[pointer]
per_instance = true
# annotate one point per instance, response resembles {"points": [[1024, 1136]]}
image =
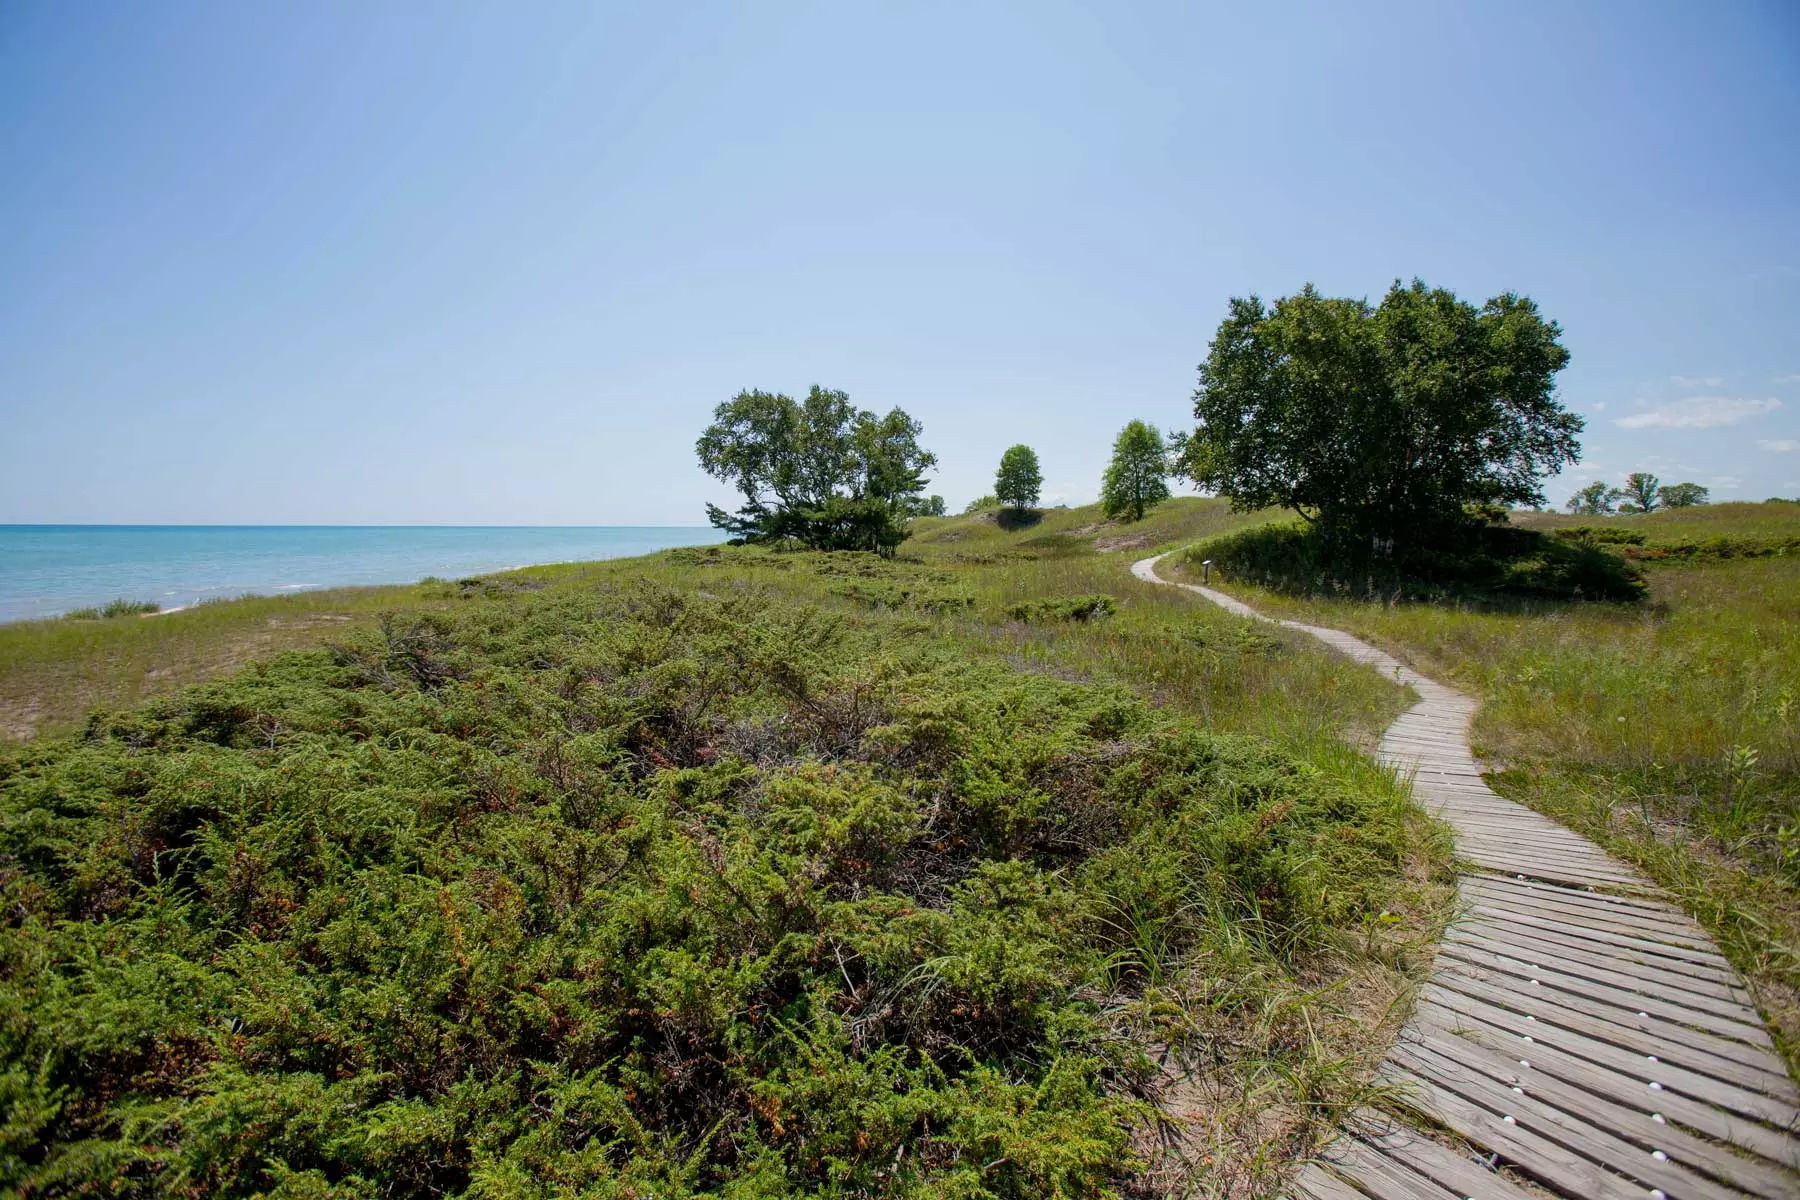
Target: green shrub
{"points": [[1600, 534], [113, 608], [1064, 608], [1717, 549], [1490, 562], [129, 608], [629, 890]]}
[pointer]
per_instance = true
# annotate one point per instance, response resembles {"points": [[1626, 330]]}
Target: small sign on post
{"points": [[1206, 570]]}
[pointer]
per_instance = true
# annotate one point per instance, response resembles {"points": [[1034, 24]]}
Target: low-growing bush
{"points": [[1716, 549], [626, 890], [1489, 562], [1064, 608], [113, 608], [1600, 534]]}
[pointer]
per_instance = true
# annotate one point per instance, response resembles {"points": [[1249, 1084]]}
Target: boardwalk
{"points": [[1576, 1027]]}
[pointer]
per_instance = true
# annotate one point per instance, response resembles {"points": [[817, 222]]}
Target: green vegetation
{"points": [[1091, 607], [1642, 493], [1667, 731], [1640, 490], [1018, 483], [820, 473], [1136, 479], [723, 872], [1387, 421], [114, 608], [1681, 495], [1484, 564]]}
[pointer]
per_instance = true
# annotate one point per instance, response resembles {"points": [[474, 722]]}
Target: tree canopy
{"points": [[1597, 499], [1682, 495], [1382, 420], [1137, 477], [1642, 493], [820, 471], [1018, 483]]}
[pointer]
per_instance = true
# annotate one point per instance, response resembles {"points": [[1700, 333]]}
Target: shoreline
{"points": [[226, 563]]}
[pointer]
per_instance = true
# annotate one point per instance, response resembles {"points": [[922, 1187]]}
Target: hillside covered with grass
{"points": [[724, 872]]}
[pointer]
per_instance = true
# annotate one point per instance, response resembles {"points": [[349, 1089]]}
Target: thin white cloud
{"points": [[1689, 381], [1780, 445], [1599, 406], [1699, 412], [1729, 483], [1795, 378]]}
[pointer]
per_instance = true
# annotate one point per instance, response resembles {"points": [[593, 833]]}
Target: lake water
{"points": [[49, 569]]}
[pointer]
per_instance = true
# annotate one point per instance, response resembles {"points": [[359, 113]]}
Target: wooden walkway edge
{"points": [[1576, 1028]]}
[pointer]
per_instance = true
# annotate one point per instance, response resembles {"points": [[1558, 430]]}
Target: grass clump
{"points": [[715, 882], [1489, 563], [1092, 607], [113, 608]]}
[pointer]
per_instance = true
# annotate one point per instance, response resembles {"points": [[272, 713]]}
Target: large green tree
{"points": [[1642, 493], [1018, 483], [1597, 499], [1387, 420], [819, 471], [1682, 495], [1137, 476]]}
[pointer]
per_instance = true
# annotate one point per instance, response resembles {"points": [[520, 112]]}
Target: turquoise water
{"points": [[49, 569]]}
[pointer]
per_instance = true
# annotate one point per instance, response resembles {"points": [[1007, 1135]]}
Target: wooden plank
{"points": [[1605, 937], [1575, 1134], [1462, 1175], [1381, 1176], [1751, 1057], [1597, 912], [1667, 1075], [1759, 1177], [1646, 956], [1651, 1049], [1602, 1000], [1582, 959], [1653, 903], [1584, 918], [1315, 1181], [1532, 1154], [1647, 908], [1684, 994], [1603, 1081]]}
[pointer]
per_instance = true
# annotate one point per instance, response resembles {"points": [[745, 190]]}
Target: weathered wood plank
{"points": [[1627, 1090], [1759, 1178]]}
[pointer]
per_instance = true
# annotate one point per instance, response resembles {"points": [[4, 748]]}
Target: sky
{"points": [[378, 262]]}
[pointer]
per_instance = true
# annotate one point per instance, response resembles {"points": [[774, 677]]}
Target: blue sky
{"points": [[353, 262]]}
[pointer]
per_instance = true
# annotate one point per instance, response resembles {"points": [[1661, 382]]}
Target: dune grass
{"points": [[1668, 731], [53, 672], [721, 868]]}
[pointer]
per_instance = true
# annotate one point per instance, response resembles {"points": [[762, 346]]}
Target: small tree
{"points": [[1381, 420], [1642, 493], [1595, 500], [981, 503], [1137, 477], [929, 506], [1018, 482], [820, 472], [1682, 495]]}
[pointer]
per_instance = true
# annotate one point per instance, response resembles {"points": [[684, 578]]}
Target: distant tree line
{"points": [[1414, 421], [1642, 493]]}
